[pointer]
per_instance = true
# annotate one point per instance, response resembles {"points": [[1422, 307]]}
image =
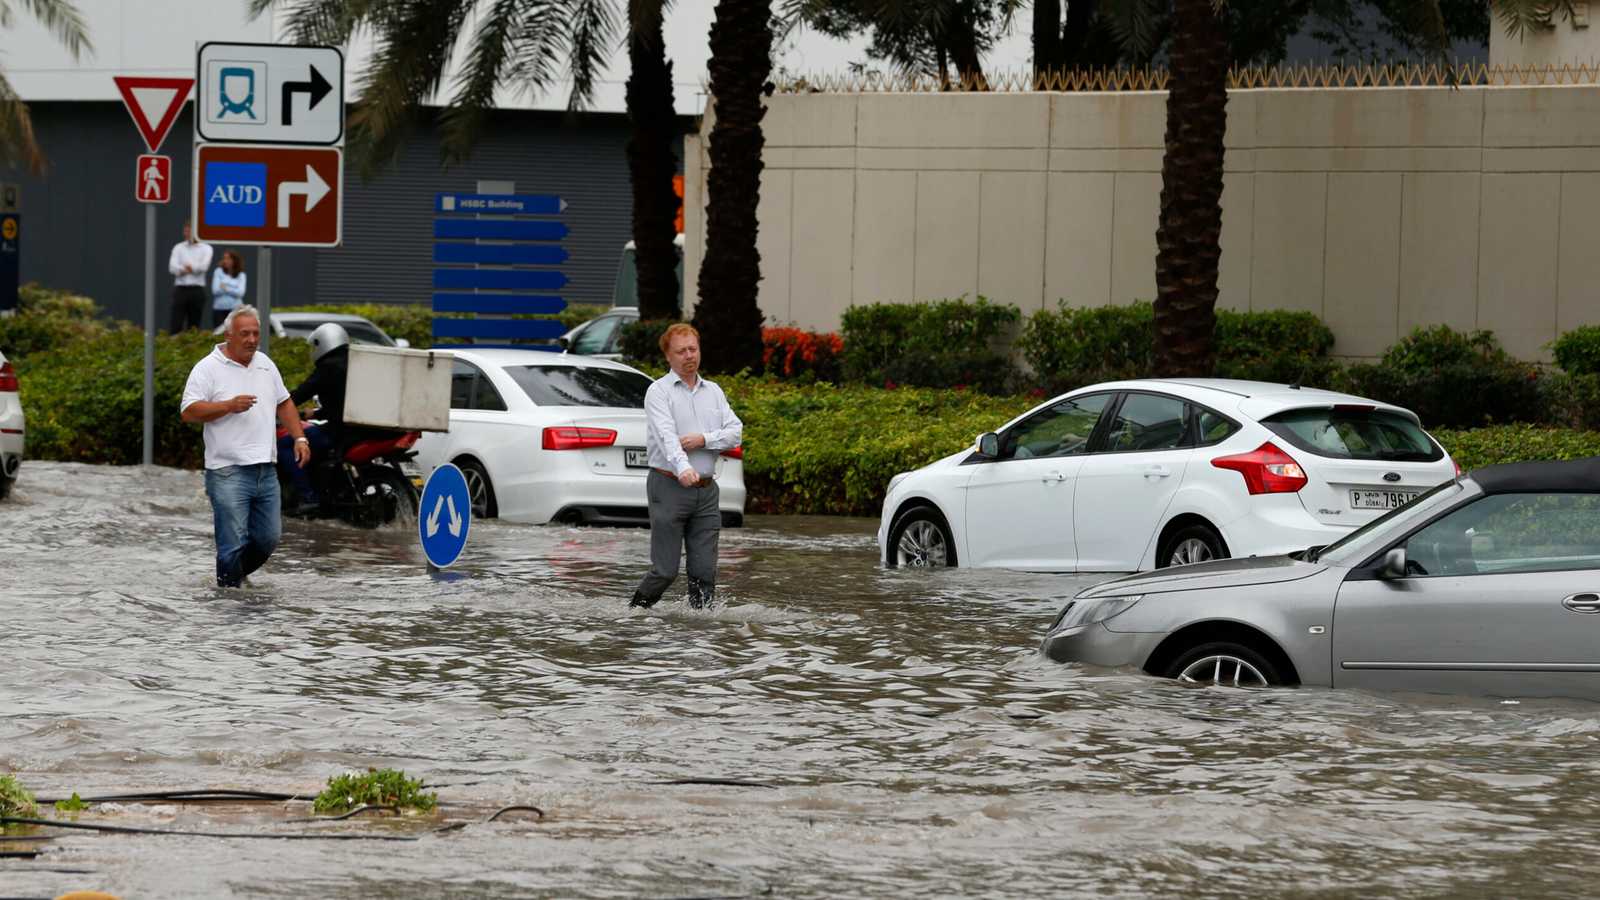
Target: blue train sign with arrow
{"points": [[269, 94]]}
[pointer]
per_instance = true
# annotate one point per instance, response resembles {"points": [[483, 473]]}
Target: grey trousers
{"points": [[681, 519]]}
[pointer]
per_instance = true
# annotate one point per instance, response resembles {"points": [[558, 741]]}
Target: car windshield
{"points": [[1355, 433], [1354, 546], [581, 386]]}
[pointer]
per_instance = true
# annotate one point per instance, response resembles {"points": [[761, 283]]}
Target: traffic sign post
{"points": [[444, 516], [269, 94], [153, 104], [152, 182], [269, 196]]}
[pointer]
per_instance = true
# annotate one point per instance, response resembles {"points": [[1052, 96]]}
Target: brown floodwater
{"points": [[891, 733]]}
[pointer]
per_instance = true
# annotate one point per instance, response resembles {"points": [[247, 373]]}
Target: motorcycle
{"points": [[363, 482]]}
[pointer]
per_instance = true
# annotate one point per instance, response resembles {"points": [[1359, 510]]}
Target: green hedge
{"points": [[46, 319], [946, 343], [1480, 447]]}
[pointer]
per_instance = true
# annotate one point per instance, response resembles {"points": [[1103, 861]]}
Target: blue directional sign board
{"points": [[444, 516], [497, 256]]}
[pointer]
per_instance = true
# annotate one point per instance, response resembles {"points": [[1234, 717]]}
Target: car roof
{"points": [[297, 317], [533, 356], [1577, 476], [1259, 399]]}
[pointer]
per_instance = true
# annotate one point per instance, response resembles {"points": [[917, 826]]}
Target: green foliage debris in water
{"points": [[15, 799], [375, 787], [71, 804]]}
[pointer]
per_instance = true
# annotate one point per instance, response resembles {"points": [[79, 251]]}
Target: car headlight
{"points": [[1089, 612]]}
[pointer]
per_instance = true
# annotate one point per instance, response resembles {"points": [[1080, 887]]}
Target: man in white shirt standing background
{"points": [[688, 422], [226, 391], [189, 262]]}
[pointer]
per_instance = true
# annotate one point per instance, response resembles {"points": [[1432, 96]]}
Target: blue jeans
{"points": [[300, 476], [244, 509]]}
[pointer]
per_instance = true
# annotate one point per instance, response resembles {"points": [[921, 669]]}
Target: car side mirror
{"points": [[1393, 565], [564, 342], [402, 343], [988, 445]]}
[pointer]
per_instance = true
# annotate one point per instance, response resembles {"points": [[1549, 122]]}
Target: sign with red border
{"points": [[269, 195], [154, 104], [152, 181]]}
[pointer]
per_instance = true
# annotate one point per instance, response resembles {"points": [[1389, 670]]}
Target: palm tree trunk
{"points": [[651, 165], [1187, 239], [728, 318], [1047, 50]]}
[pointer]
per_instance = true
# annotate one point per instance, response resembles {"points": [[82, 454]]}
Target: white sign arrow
{"points": [[314, 189], [433, 518], [455, 517]]}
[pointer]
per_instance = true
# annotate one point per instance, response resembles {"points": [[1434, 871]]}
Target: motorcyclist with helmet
{"points": [[330, 357]]}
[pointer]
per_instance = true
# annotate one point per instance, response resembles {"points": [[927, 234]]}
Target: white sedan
{"points": [[1144, 474], [10, 426], [543, 436]]}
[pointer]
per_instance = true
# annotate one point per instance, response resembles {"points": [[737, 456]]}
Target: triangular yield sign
{"points": [[144, 98]]}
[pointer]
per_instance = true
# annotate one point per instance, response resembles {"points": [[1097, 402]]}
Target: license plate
{"points": [[635, 458], [1381, 499]]}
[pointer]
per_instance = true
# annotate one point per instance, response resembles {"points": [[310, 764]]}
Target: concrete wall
{"points": [[1376, 209]]}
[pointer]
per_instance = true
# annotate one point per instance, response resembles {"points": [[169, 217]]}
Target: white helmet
{"points": [[328, 336]]}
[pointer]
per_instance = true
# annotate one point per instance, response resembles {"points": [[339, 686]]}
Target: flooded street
{"points": [[894, 733]]}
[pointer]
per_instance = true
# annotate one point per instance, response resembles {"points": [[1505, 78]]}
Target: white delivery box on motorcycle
{"points": [[407, 390]]}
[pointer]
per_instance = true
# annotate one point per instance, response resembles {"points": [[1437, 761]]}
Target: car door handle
{"points": [[1156, 471], [1583, 603], [1053, 476]]}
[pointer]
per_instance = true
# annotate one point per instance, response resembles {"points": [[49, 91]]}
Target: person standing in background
{"points": [[228, 283], [188, 264]]}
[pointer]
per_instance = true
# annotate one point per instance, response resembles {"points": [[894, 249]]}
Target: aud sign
{"points": [[269, 195]]}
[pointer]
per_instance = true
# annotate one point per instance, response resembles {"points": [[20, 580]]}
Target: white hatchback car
{"points": [[1144, 474], [11, 426], [543, 436]]}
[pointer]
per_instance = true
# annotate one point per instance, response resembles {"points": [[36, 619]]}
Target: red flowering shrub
{"points": [[791, 353]]}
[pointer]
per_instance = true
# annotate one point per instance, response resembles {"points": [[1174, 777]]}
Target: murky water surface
{"points": [[902, 734]]}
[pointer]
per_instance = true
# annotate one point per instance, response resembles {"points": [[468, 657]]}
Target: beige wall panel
{"points": [[1369, 159], [1439, 250], [1362, 278], [1578, 302], [1133, 230], [809, 157], [925, 159], [819, 275], [953, 120], [947, 235], [885, 237], [775, 236], [694, 218], [1542, 159], [1011, 239], [1542, 117], [1371, 117], [1108, 121], [1137, 160], [1243, 107], [1517, 252], [1238, 218], [1077, 249], [1287, 242], [810, 120]]}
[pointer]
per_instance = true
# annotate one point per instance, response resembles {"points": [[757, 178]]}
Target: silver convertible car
{"points": [[1487, 584]]}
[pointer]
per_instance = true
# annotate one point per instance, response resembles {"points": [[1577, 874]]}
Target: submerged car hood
{"points": [[1219, 573]]}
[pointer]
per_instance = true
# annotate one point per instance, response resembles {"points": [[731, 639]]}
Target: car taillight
{"points": [[8, 378], [1457, 465], [1266, 470], [735, 453], [567, 437]]}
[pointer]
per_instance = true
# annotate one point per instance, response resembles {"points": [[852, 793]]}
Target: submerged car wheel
{"points": [[921, 540], [1225, 663], [1191, 544], [479, 488]]}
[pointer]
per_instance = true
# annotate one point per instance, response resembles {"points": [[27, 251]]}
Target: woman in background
{"points": [[227, 286]]}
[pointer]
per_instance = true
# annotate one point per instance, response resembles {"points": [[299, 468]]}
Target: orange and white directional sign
{"points": [[152, 179], [269, 195]]}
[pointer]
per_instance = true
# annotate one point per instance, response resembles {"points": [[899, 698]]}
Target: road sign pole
{"points": [[264, 294], [149, 334]]}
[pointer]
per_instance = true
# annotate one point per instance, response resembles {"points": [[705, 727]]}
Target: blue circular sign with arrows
{"points": [[444, 515]]}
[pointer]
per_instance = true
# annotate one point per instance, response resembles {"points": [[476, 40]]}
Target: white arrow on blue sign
{"points": [[444, 515]]}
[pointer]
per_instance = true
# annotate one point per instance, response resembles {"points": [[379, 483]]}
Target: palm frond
{"points": [[1518, 17], [492, 48], [594, 32], [1136, 24], [17, 140], [319, 21], [414, 42], [62, 18]]}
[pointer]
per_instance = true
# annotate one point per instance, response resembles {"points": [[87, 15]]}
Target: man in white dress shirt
{"points": [[188, 264], [688, 422], [237, 393]]}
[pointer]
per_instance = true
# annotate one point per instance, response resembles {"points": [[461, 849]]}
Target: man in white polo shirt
{"points": [[225, 392], [188, 264]]}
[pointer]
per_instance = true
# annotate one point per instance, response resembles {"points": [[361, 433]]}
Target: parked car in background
{"points": [[11, 426], [1487, 584], [545, 437], [600, 337], [301, 324], [1150, 473]]}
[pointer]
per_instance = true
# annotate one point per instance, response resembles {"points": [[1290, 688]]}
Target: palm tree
{"points": [[17, 140], [1518, 17], [923, 37], [741, 59], [525, 44]]}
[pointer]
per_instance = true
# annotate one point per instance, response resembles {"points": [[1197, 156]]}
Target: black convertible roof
{"points": [[1571, 476]]}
